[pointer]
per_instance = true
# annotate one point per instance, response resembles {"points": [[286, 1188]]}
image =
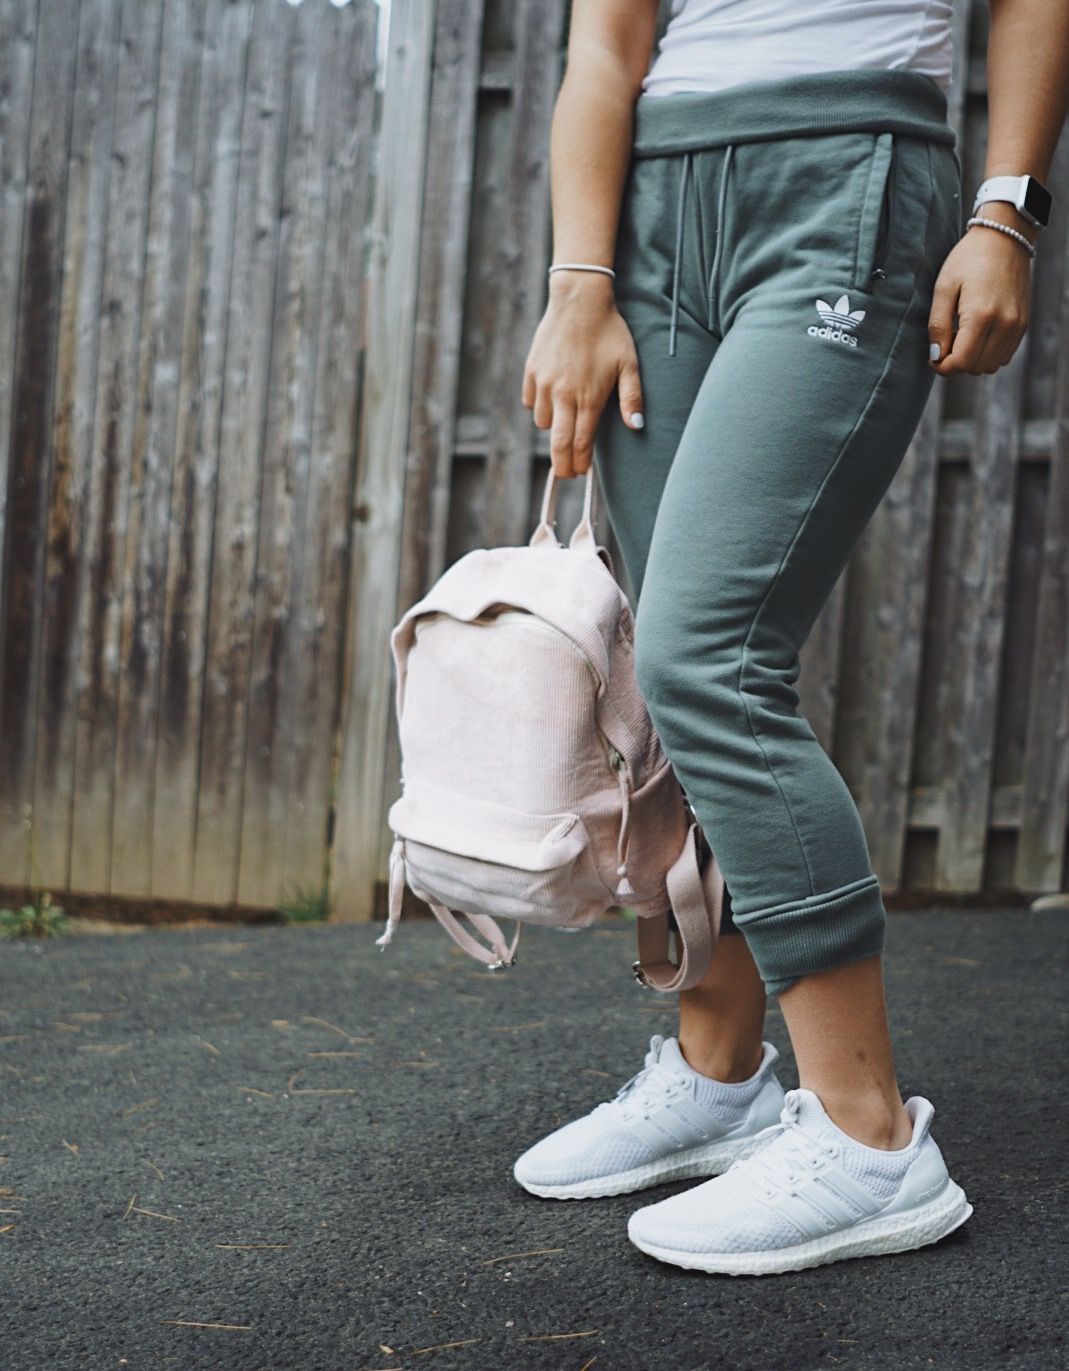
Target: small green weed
{"points": [[42, 919], [306, 906]]}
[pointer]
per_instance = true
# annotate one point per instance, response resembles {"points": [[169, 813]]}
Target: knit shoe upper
{"points": [[805, 1193], [668, 1121]]}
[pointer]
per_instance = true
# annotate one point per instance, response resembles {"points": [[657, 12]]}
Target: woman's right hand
{"points": [[581, 351]]}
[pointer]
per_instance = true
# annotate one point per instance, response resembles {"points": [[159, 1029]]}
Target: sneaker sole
{"points": [[870, 1238], [711, 1159]]}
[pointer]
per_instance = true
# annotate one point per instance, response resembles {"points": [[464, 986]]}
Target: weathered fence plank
{"points": [[517, 275], [1043, 849], [446, 212], [183, 628], [152, 447], [32, 381], [292, 712], [971, 685], [378, 506], [313, 695], [84, 252], [242, 428], [267, 810], [108, 494], [18, 20]]}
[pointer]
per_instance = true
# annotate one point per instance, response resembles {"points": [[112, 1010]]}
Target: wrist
{"points": [[580, 285], [1005, 213]]}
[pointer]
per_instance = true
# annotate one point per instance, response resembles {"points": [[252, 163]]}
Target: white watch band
{"points": [[1028, 196], [1009, 188]]}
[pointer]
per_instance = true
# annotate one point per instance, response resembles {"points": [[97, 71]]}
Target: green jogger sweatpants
{"points": [[777, 249]]}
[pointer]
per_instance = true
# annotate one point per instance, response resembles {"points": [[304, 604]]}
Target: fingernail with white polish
{"points": [[933, 352], [637, 421]]}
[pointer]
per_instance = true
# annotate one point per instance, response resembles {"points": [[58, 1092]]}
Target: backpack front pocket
{"points": [[476, 857]]}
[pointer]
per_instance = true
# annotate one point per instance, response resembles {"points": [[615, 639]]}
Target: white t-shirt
{"points": [[709, 44]]}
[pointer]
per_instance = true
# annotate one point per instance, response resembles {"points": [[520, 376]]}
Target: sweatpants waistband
{"points": [[878, 99]]}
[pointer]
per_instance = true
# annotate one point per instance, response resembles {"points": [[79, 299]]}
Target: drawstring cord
{"points": [[623, 885], [396, 892], [685, 173]]}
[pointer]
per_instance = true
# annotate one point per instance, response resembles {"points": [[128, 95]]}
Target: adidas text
{"points": [[835, 334]]}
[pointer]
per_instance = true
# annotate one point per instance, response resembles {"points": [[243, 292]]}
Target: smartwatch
{"points": [[1029, 196]]}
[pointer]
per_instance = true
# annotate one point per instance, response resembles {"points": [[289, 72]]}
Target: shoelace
{"points": [[647, 1087], [772, 1167]]}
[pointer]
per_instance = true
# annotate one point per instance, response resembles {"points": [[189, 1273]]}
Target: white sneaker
{"points": [[666, 1123], [806, 1193]]}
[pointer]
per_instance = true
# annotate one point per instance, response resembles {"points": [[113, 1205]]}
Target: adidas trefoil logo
{"points": [[839, 322]]}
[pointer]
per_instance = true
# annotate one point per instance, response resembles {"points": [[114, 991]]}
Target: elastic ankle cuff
{"points": [[793, 940]]}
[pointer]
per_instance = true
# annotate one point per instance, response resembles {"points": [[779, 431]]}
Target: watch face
{"points": [[1036, 201]]}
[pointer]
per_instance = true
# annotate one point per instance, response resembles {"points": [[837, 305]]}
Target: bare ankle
{"points": [[874, 1120]]}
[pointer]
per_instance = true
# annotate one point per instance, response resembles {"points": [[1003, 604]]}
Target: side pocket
{"points": [[658, 825], [946, 183], [876, 222]]}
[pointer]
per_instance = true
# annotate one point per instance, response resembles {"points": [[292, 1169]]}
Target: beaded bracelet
{"points": [[581, 266], [1002, 228]]}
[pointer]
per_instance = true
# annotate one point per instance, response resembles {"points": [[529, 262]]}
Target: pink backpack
{"points": [[534, 786]]}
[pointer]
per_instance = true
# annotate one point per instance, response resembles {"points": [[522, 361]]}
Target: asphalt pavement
{"points": [[278, 1147]]}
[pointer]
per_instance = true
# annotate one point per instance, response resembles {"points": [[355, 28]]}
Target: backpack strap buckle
{"points": [[640, 976]]}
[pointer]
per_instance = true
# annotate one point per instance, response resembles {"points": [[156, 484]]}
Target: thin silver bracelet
{"points": [[1002, 228], [581, 266]]}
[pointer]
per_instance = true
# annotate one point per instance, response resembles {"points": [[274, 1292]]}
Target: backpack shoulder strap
{"points": [[697, 900]]}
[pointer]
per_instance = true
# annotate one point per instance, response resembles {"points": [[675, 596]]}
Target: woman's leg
{"points": [[721, 1020], [793, 438], [838, 1025], [837, 1020]]}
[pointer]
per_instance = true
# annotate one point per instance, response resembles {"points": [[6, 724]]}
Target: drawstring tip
{"points": [[396, 893]]}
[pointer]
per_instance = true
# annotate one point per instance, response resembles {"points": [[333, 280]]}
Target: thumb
{"points": [[631, 404]]}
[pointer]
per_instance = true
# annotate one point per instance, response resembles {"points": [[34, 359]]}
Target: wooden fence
{"points": [[185, 186], [263, 315]]}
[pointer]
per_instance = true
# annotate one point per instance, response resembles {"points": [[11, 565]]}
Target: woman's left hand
{"points": [[986, 282]]}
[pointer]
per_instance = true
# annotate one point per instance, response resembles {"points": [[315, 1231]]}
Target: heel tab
{"points": [[920, 1111]]}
